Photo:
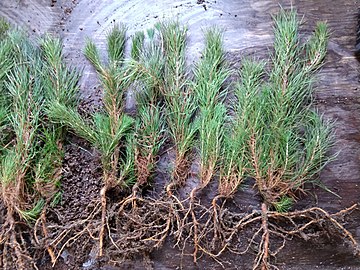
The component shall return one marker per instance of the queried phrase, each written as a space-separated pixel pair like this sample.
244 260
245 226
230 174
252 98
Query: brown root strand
264 255
103 220
55 238
226 229
189 224
137 225
46 235
139 230
15 254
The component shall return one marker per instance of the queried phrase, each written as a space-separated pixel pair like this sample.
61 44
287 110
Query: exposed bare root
133 226
137 225
103 219
55 238
191 220
191 216
14 253
141 224
216 230
42 220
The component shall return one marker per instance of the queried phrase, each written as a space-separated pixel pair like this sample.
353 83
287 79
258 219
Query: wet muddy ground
248 31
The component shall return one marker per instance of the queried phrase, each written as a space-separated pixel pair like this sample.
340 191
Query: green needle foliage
161 66
107 130
149 137
147 64
179 98
60 81
113 76
210 75
59 85
235 162
110 131
31 77
70 117
137 45
100 134
149 125
284 140
24 121
47 169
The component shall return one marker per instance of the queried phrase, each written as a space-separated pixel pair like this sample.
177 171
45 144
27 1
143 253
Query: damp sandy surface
248 32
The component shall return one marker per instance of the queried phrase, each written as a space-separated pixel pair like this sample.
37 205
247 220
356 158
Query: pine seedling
179 100
28 81
210 75
25 91
209 79
147 65
141 213
108 130
149 136
289 141
149 125
286 140
59 86
280 141
159 64
24 121
22 106
237 133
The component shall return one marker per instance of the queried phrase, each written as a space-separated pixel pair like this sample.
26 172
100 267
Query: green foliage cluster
149 132
271 134
283 138
268 132
210 75
179 97
107 128
31 78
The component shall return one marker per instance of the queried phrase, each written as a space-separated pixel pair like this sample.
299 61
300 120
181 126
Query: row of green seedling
32 77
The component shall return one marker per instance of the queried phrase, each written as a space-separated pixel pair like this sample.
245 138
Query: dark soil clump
81 182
